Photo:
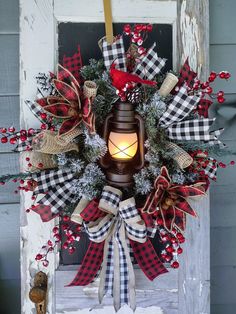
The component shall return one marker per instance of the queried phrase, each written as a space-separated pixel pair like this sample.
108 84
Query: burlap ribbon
117 223
182 158
40 161
49 142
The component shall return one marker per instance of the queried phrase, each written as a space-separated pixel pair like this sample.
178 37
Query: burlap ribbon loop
182 158
90 89
40 161
49 142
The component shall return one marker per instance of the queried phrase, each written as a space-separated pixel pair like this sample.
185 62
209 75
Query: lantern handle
141 135
103 162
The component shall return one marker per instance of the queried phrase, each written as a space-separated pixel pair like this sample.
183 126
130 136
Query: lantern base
119 179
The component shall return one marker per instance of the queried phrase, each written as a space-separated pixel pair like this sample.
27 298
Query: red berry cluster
171 242
10 135
201 161
205 87
72 232
138 34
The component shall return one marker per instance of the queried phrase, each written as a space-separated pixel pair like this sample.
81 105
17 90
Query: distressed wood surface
194 273
37 54
162 292
193 285
143 10
193 34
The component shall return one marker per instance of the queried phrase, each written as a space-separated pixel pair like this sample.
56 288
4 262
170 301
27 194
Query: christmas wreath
122 149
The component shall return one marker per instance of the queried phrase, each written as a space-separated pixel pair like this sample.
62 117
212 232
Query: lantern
124 134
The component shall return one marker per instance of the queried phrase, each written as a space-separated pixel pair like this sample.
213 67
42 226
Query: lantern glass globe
122 146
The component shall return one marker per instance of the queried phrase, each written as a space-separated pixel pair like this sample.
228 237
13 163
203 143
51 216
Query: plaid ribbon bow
73 105
171 200
57 187
117 228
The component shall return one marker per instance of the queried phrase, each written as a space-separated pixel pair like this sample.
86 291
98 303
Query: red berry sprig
205 87
72 233
172 248
10 135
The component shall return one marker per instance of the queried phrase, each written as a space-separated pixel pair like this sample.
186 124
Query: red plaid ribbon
74 64
71 105
147 259
174 214
186 75
90 265
45 212
91 212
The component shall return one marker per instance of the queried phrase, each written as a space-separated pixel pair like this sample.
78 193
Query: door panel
184 291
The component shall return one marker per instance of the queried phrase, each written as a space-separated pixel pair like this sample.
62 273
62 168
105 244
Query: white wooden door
182 291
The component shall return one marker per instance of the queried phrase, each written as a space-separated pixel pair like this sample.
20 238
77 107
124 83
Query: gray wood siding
9 202
223 196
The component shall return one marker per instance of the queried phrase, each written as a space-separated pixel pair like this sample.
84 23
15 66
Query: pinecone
136 95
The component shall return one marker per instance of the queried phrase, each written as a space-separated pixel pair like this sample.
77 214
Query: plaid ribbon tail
114 52
45 212
211 169
180 107
192 130
148 259
150 64
214 138
74 64
59 197
90 265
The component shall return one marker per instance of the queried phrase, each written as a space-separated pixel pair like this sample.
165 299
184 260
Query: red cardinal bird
120 78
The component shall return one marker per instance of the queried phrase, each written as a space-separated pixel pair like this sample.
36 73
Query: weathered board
192 40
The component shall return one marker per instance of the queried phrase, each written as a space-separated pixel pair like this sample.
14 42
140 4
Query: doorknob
38 293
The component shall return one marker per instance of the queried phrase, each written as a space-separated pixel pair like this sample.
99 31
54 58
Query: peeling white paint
124 310
190 38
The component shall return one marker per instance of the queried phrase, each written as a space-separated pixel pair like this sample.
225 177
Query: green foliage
7 177
93 70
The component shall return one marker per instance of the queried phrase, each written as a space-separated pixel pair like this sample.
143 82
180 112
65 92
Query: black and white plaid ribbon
114 52
150 65
196 130
24 146
59 197
49 179
116 228
214 138
181 105
211 168
35 109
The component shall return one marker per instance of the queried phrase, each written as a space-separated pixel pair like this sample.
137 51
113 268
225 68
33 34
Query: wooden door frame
38 46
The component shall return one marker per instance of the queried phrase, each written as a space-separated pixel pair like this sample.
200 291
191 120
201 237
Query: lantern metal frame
124 120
